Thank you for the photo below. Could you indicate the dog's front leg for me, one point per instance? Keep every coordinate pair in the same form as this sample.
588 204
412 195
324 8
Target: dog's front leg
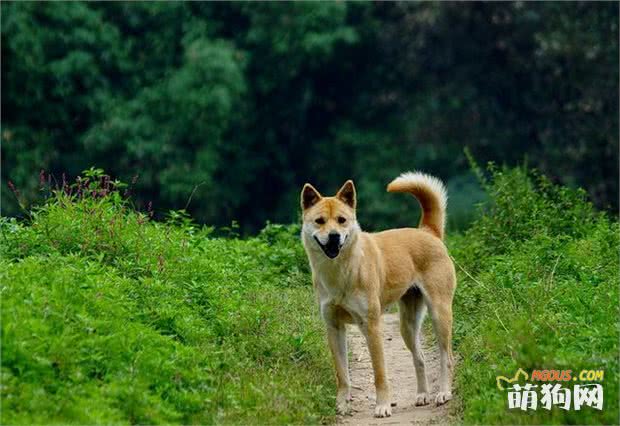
336 334
374 338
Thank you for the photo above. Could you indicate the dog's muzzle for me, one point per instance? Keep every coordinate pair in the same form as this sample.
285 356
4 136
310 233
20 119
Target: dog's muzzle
332 247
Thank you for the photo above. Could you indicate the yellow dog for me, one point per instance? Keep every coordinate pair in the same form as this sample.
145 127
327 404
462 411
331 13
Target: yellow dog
357 275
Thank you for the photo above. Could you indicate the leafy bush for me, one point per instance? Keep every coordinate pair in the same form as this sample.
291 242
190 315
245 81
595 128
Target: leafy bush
538 289
109 317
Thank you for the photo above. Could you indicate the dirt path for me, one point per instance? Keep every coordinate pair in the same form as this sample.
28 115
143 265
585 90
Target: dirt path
402 379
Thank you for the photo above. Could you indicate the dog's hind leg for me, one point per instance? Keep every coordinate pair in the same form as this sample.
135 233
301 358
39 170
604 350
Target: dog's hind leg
412 312
438 293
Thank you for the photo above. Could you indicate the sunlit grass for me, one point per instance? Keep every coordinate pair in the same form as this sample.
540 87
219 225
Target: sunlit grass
108 317
538 289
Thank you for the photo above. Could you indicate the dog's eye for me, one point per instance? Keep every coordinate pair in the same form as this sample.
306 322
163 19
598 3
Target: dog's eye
320 221
341 220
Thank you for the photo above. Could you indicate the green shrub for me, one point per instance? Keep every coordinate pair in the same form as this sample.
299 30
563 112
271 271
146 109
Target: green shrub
538 289
109 317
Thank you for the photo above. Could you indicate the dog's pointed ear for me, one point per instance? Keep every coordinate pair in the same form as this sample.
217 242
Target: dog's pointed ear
347 194
309 196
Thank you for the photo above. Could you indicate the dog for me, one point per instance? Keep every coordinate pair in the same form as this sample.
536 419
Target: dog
358 275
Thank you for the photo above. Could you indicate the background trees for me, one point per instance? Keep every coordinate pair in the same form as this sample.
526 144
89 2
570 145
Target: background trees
249 101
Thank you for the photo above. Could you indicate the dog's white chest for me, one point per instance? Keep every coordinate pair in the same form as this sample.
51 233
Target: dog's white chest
334 295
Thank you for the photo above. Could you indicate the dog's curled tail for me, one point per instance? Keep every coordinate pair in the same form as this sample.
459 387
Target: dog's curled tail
432 195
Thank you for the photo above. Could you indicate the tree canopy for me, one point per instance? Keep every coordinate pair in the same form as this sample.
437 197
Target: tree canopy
241 103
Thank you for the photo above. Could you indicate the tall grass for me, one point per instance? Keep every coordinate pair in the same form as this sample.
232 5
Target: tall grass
538 289
109 317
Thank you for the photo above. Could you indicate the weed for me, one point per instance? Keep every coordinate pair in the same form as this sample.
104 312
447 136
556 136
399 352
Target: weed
110 317
538 289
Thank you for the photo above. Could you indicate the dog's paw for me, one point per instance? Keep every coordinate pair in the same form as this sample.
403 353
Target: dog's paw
443 397
383 410
342 408
342 403
422 399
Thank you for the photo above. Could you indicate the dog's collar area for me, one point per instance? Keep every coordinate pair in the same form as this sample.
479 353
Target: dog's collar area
331 249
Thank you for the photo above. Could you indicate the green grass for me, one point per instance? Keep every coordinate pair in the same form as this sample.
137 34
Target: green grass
108 317
540 292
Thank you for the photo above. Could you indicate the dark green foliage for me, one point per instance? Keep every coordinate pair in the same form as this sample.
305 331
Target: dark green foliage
540 291
241 103
109 317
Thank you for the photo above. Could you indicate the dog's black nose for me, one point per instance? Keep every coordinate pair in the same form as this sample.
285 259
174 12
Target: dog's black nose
332 247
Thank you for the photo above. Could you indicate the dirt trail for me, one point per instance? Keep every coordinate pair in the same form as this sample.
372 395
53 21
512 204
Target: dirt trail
402 379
